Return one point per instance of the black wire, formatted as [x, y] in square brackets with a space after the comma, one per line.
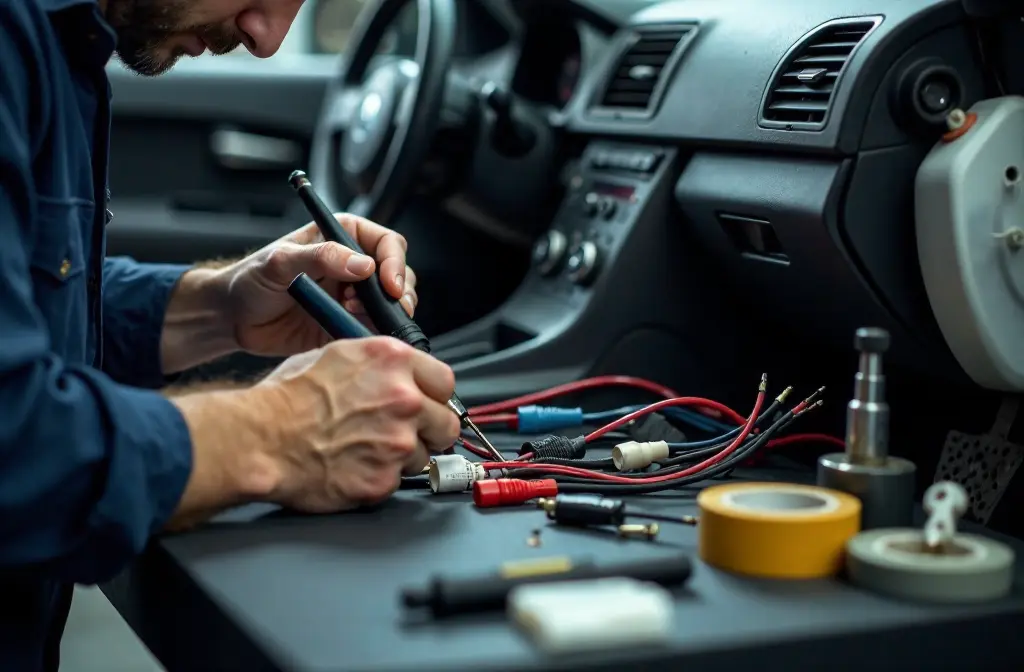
[602, 463]
[659, 517]
[691, 455]
[728, 436]
[570, 484]
[676, 465]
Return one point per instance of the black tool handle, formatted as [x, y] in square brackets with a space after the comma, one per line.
[448, 596]
[335, 320]
[385, 311]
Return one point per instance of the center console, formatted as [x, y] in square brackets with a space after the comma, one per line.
[605, 265]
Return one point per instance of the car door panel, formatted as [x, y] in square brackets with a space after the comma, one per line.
[200, 156]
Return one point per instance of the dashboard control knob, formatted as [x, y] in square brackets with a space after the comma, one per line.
[583, 263]
[608, 208]
[548, 251]
[591, 204]
[925, 94]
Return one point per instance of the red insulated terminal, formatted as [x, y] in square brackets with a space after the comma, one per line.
[511, 491]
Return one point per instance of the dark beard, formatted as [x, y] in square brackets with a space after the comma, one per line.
[144, 28]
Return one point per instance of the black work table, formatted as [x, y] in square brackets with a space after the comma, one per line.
[263, 590]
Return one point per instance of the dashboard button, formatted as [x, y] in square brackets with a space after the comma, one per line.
[591, 204]
[608, 208]
[549, 251]
[583, 263]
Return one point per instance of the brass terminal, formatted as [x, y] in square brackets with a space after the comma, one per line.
[546, 503]
[648, 531]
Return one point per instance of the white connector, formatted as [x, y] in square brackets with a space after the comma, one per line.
[453, 473]
[633, 455]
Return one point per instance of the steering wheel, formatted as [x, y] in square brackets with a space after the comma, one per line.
[375, 129]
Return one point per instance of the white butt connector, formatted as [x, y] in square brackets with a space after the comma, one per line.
[633, 455]
[453, 473]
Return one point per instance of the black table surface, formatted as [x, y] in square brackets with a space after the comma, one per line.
[260, 589]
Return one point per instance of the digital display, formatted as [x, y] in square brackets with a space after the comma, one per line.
[619, 191]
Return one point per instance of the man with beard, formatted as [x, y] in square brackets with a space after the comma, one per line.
[93, 460]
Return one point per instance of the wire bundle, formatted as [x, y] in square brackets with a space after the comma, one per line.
[559, 464]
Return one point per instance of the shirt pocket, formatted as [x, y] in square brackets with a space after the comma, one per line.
[58, 270]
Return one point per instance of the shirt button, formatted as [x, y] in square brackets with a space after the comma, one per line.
[65, 268]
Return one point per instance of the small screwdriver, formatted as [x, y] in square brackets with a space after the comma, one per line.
[386, 313]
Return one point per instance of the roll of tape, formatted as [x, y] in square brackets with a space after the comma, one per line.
[776, 530]
[897, 562]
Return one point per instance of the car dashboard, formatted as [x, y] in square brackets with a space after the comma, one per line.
[782, 139]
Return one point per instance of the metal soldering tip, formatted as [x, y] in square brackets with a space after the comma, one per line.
[488, 446]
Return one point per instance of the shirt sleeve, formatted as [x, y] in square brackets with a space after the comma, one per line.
[135, 298]
[89, 469]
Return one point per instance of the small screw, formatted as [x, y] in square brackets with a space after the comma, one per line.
[533, 541]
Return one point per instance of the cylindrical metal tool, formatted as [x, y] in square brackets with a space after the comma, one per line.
[884, 484]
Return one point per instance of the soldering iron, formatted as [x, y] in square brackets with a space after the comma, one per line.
[386, 313]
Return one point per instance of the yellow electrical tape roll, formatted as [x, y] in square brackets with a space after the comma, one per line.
[776, 530]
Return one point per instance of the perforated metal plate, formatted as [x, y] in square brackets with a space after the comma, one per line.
[983, 464]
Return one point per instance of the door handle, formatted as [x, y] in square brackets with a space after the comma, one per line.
[238, 150]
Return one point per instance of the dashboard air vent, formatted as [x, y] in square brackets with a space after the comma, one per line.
[802, 86]
[641, 71]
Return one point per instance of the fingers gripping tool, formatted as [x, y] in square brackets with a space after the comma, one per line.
[386, 313]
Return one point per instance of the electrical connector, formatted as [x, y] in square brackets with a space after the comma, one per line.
[655, 427]
[584, 510]
[453, 473]
[511, 491]
[558, 447]
[540, 419]
[633, 455]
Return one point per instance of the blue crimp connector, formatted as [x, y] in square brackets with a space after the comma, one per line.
[541, 419]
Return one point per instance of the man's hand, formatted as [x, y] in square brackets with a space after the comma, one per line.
[266, 320]
[328, 430]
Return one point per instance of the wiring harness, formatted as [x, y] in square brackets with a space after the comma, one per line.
[650, 452]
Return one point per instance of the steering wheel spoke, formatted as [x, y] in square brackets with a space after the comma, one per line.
[342, 108]
[372, 137]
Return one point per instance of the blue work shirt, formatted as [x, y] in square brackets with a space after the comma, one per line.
[91, 462]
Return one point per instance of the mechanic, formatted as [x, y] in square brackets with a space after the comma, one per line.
[94, 457]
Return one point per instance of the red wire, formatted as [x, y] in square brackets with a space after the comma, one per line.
[798, 438]
[497, 419]
[657, 406]
[600, 476]
[572, 388]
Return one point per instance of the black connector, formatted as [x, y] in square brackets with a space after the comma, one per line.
[655, 427]
[595, 511]
[584, 510]
[557, 447]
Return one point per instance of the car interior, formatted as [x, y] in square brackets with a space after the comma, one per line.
[691, 191]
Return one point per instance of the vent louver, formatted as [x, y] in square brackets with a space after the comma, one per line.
[641, 70]
[803, 85]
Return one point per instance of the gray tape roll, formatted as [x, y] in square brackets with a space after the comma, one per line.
[896, 562]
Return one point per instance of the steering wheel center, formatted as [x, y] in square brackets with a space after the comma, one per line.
[365, 144]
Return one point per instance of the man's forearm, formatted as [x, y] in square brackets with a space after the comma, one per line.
[232, 449]
[197, 328]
